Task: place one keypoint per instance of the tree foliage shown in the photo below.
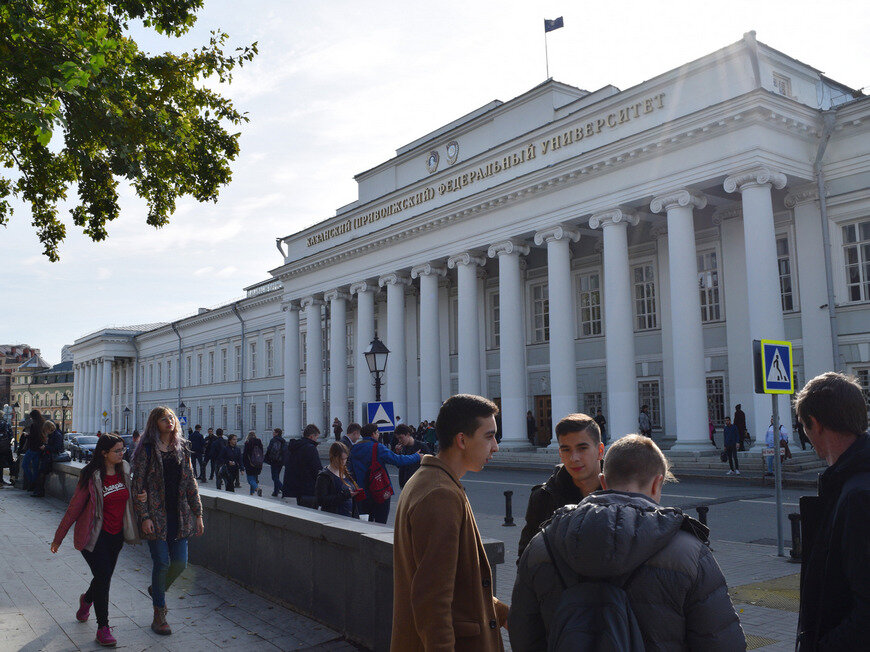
(81, 105)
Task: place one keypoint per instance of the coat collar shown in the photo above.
(431, 460)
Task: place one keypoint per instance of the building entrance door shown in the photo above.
(543, 419)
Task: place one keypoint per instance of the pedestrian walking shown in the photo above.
(835, 567)
(740, 422)
(731, 440)
(644, 422)
(215, 452)
(771, 443)
(252, 459)
(6, 445)
(102, 510)
(580, 451)
(622, 536)
(171, 512)
(275, 458)
(352, 436)
(442, 591)
(33, 449)
(602, 425)
(336, 428)
(334, 488)
(52, 448)
(197, 451)
(302, 464)
(531, 427)
(366, 460)
(231, 464)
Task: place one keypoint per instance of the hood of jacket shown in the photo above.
(296, 444)
(856, 459)
(610, 533)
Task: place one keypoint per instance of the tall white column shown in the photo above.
(314, 367)
(106, 396)
(481, 330)
(622, 403)
(292, 408)
(512, 359)
(396, 387)
(669, 397)
(337, 355)
(687, 335)
(762, 273)
(76, 409)
(365, 332)
(444, 334)
(815, 320)
(92, 397)
(412, 341)
(563, 369)
(430, 340)
(468, 335)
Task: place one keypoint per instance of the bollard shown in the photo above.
(702, 513)
(796, 548)
(508, 509)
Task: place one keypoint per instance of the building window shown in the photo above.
(211, 367)
(189, 370)
(238, 417)
(169, 374)
(198, 417)
(644, 280)
(151, 376)
(494, 320)
(589, 304)
(648, 394)
(591, 403)
(238, 362)
(708, 286)
(223, 365)
(304, 405)
(224, 416)
(200, 378)
(268, 416)
(269, 359)
(210, 416)
(253, 425)
(856, 246)
(253, 350)
(716, 399)
(540, 313)
(454, 325)
(784, 263)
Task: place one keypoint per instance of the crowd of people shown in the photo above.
(596, 540)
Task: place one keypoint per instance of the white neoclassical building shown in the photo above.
(561, 251)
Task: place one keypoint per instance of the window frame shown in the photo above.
(532, 333)
(577, 278)
(720, 298)
(647, 261)
(656, 424)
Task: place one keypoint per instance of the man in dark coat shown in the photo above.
(301, 466)
(197, 449)
(731, 439)
(677, 591)
(580, 450)
(405, 445)
(740, 422)
(835, 572)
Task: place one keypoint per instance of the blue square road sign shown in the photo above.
(777, 367)
(382, 415)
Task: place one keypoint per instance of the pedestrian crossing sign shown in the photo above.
(382, 414)
(774, 367)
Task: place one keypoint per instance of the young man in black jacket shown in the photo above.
(302, 465)
(275, 458)
(405, 445)
(835, 572)
(580, 450)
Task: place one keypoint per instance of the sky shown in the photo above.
(337, 87)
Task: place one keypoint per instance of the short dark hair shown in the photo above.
(197, 427)
(835, 401)
(402, 429)
(219, 432)
(634, 459)
(278, 431)
(579, 422)
(310, 429)
(461, 413)
(353, 427)
(368, 430)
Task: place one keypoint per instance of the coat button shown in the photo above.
(486, 582)
(493, 624)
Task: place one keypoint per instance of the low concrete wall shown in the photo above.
(336, 570)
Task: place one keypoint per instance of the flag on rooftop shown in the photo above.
(550, 25)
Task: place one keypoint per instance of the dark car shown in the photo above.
(82, 447)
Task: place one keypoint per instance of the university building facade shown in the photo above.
(562, 251)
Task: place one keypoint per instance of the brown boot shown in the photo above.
(159, 626)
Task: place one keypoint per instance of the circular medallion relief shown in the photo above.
(452, 152)
(432, 161)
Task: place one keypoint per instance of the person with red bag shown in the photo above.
(367, 459)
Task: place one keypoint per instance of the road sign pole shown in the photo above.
(777, 469)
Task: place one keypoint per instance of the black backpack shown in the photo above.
(275, 451)
(592, 615)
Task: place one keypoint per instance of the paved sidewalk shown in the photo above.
(39, 596)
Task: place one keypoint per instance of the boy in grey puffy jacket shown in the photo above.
(679, 596)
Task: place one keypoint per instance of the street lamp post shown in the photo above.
(376, 359)
(126, 419)
(64, 402)
(181, 408)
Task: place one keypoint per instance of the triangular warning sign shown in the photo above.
(778, 372)
(381, 416)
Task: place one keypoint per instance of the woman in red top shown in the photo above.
(102, 511)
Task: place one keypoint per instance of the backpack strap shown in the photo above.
(374, 452)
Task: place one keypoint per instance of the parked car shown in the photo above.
(82, 447)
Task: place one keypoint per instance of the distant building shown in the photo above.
(37, 384)
(11, 357)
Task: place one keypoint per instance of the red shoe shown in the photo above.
(84, 611)
(105, 638)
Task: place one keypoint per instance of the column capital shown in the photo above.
(802, 194)
(556, 232)
(330, 295)
(427, 269)
(507, 247)
(361, 286)
(310, 300)
(612, 217)
(681, 197)
(759, 176)
(289, 304)
(394, 278)
(466, 258)
(731, 212)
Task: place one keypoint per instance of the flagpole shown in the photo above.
(546, 54)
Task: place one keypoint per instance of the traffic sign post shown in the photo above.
(182, 421)
(382, 414)
(774, 374)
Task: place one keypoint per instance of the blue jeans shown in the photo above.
(770, 464)
(276, 478)
(252, 480)
(30, 468)
(170, 559)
